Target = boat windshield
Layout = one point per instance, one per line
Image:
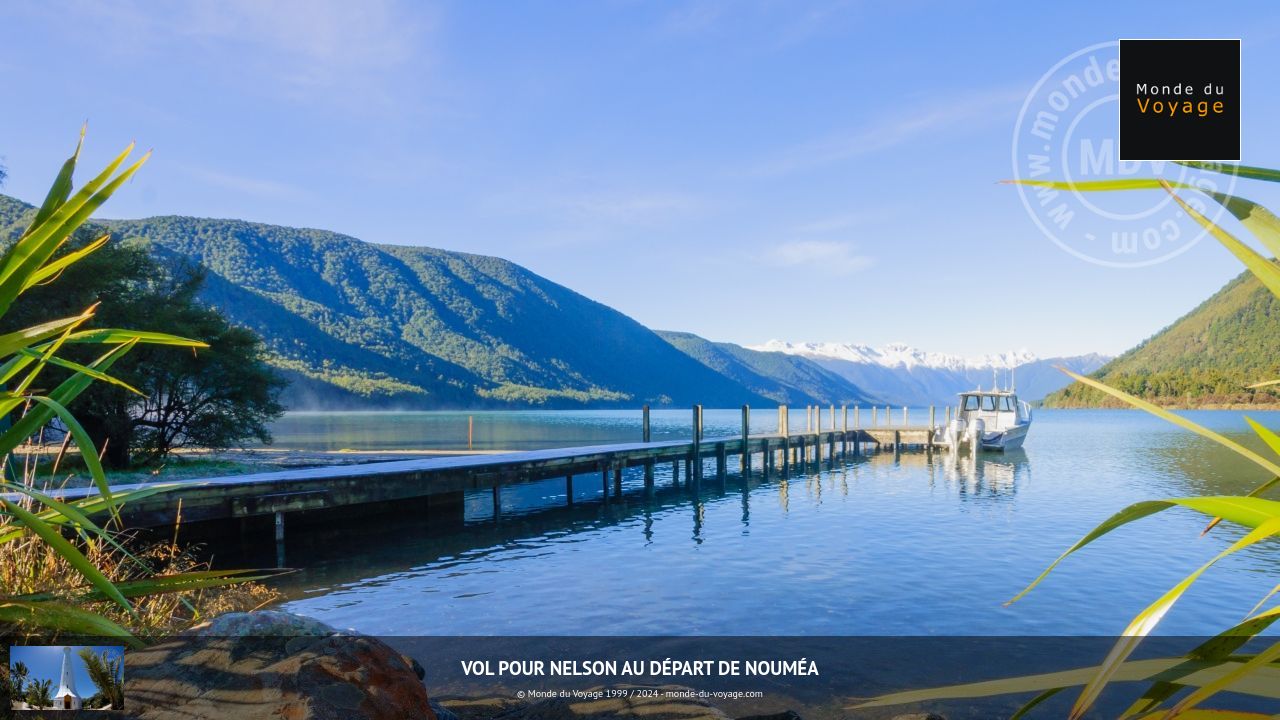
(989, 403)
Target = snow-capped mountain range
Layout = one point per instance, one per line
(899, 355)
(900, 374)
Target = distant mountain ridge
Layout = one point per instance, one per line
(358, 325)
(355, 324)
(900, 355)
(1206, 358)
(900, 374)
(781, 377)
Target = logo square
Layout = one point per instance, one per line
(1180, 100)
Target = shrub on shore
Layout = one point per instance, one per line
(64, 572)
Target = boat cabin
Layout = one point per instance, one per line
(998, 409)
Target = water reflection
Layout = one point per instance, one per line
(909, 543)
(539, 513)
(987, 476)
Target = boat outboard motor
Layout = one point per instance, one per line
(955, 431)
(976, 428)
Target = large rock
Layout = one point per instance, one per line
(274, 666)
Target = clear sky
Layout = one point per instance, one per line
(820, 171)
(44, 662)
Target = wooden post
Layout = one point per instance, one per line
(279, 539)
(844, 430)
(471, 426)
(948, 416)
(617, 479)
(568, 487)
(604, 481)
(932, 417)
(675, 473)
(888, 421)
(746, 438)
(644, 422)
(721, 461)
(904, 417)
(697, 457)
(874, 410)
(696, 470)
(857, 428)
(932, 428)
(833, 417)
(648, 476)
(497, 501)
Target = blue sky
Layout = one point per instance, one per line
(743, 170)
(44, 662)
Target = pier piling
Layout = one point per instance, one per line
(695, 456)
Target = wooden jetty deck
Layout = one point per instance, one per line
(440, 482)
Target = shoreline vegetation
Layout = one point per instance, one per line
(72, 568)
(1168, 404)
(1208, 359)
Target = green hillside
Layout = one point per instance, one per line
(783, 378)
(357, 324)
(1205, 358)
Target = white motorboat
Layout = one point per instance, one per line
(988, 420)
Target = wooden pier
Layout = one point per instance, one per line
(440, 483)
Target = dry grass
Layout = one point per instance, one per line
(29, 565)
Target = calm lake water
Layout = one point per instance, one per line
(876, 545)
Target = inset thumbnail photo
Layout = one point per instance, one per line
(66, 677)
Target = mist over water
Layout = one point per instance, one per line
(875, 545)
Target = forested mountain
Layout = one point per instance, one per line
(357, 324)
(783, 378)
(1208, 357)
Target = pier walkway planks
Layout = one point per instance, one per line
(447, 478)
